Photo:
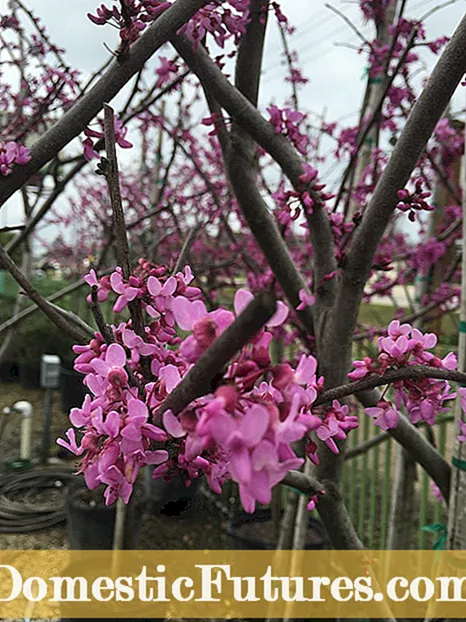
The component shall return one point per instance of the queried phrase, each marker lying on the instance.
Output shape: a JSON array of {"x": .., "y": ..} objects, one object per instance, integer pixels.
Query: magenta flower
[
  {"x": 243, "y": 298},
  {"x": 137, "y": 345},
  {"x": 384, "y": 415},
  {"x": 126, "y": 291},
  {"x": 112, "y": 367},
  {"x": 307, "y": 300},
  {"x": 118, "y": 486},
  {"x": 71, "y": 445},
  {"x": 136, "y": 428},
  {"x": 239, "y": 437},
  {"x": 12, "y": 153}
]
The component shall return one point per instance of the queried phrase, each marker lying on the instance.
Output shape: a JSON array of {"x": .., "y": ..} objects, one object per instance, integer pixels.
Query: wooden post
[
  {"x": 457, "y": 508},
  {"x": 376, "y": 87}
]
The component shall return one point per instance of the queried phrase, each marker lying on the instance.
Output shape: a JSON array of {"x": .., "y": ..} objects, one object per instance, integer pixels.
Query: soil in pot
[
  {"x": 256, "y": 531},
  {"x": 91, "y": 522}
]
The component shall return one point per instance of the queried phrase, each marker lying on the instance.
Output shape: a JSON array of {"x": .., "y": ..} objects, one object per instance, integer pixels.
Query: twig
[
  {"x": 7, "y": 229},
  {"x": 103, "y": 327},
  {"x": 185, "y": 249},
  {"x": 121, "y": 238},
  {"x": 111, "y": 174},
  {"x": 412, "y": 372}
]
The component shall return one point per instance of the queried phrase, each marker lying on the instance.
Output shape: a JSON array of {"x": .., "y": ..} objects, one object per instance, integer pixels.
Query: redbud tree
[{"x": 234, "y": 275}]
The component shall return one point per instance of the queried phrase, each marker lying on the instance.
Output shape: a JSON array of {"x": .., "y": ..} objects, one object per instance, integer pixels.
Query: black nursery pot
[
  {"x": 72, "y": 389},
  {"x": 172, "y": 498},
  {"x": 255, "y": 532},
  {"x": 90, "y": 523}
]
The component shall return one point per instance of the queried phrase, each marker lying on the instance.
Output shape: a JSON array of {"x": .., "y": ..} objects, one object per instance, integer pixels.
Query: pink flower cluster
[
  {"x": 88, "y": 143},
  {"x": 132, "y": 17},
  {"x": 423, "y": 398},
  {"x": 286, "y": 121},
  {"x": 414, "y": 201},
  {"x": 243, "y": 430},
  {"x": 289, "y": 202},
  {"x": 11, "y": 153}
]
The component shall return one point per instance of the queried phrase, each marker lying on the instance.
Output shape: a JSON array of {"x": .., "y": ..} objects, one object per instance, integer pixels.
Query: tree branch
[
  {"x": 419, "y": 127},
  {"x": 417, "y": 446},
  {"x": 58, "y": 316},
  {"x": 198, "y": 381},
  {"x": 411, "y": 372},
  {"x": 279, "y": 147}
]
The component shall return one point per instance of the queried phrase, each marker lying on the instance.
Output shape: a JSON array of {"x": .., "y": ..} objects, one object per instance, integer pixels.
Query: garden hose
[{"x": 20, "y": 512}]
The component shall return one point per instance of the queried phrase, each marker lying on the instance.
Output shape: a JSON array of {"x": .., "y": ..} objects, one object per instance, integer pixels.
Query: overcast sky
[{"x": 335, "y": 71}]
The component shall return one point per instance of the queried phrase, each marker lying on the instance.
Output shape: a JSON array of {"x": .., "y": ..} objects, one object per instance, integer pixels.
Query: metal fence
[{"x": 368, "y": 479}]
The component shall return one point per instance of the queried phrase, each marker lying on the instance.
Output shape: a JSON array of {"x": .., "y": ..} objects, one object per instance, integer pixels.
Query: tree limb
[
  {"x": 198, "y": 381},
  {"x": 429, "y": 108}
]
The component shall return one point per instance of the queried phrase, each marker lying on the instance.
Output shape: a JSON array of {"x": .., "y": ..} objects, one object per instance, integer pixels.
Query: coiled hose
[{"x": 21, "y": 508}]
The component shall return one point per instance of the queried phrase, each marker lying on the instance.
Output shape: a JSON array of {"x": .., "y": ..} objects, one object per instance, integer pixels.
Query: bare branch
[{"x": 51, "y": 311}]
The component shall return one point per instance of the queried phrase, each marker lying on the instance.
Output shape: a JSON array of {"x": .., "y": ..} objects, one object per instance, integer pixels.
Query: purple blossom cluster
[
  {"x": 423, "y": 398},
  {"x": 132, "y": 16},
  {"x": 10, "y": 154},
  {"x": 243, "y": 431},
  {"x": 413, "y": 202}
]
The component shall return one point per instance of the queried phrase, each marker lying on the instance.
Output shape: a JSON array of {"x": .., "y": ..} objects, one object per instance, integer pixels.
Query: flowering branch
[
  {"x": 278, "y": 146},
  {"x": 198, "y": 381},
  {"x": 111, "y": 82},
  {"x": 430, "y": 106},
  {"x": 412, "y": 372}
]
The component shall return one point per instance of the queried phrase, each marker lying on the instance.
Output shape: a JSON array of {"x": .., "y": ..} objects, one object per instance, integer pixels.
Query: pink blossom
[{"x": 384, "y": 415}]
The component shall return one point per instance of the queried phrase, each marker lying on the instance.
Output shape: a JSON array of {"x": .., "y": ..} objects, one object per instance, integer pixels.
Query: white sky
[{"x": 335, "y": 72}]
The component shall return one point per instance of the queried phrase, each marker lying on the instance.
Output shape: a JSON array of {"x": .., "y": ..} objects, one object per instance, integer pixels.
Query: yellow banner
[{"x": 233, "y": 584}]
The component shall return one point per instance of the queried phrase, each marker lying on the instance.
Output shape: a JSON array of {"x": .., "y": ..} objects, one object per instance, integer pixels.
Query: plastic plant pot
[
  {"x": 91, "y": 523},
  {"x": 255, "y": 532},
  {"x": 172, "y": 498}
]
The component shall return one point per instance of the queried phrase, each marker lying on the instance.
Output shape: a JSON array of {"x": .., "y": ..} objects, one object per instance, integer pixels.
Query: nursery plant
[{"x": 217, "y": 245}]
